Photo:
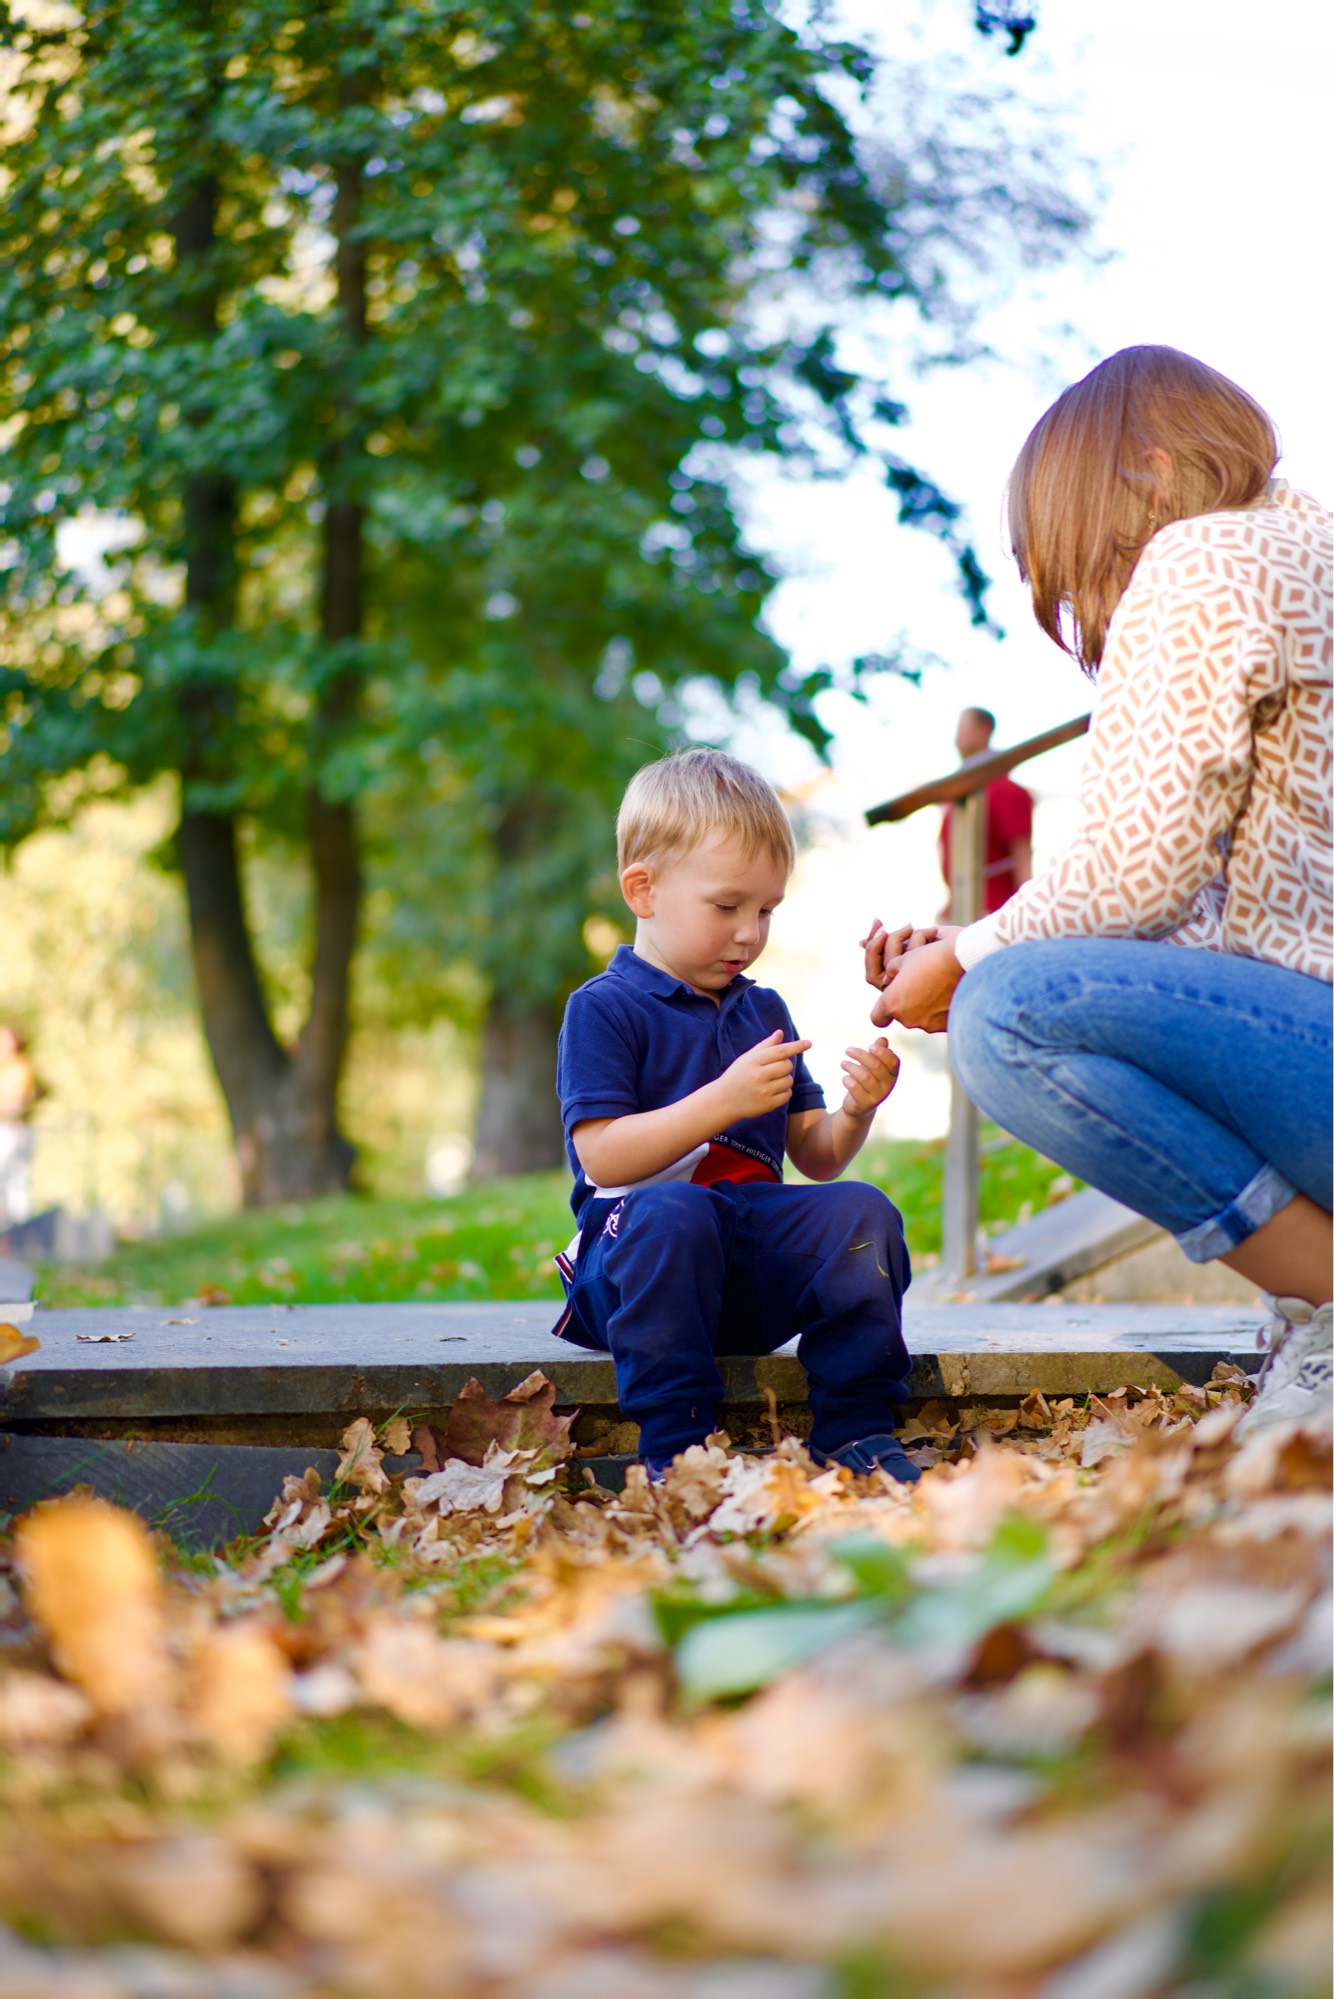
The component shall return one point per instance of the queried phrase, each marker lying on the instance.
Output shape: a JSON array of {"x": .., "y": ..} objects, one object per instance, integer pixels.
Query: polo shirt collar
[{"x": 627, "y": 964}]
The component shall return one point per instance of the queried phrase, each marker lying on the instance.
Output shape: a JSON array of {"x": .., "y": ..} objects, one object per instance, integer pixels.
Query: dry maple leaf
[
  {"x": 523, "y": 1420},
  {"x": 14, "y": 1344}
]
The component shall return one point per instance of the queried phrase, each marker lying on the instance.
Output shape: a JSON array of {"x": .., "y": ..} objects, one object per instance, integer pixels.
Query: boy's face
[{"x": 704, "y": 917}]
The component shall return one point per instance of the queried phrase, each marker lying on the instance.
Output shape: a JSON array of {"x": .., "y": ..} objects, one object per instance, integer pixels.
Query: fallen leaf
[
  {"x": 522, "y": 1420},
  {"x": 1101, "y": 1438},
  {"x": 425, "y": 1681},
  {"x": 397, "y": 1437},
  {"x": 362, "y": 1462},
  {"x": 996, "y": 1262},
  {"x": 195, "y": 1890},
  {"x": 296, "y": 1496},
  {"x": 37, "y": 1712},
  {"x": 92, "y": 1582},
  {"x": 102, "y": 1339},
  {"x": 14, "y": 1344},
  {"x": 240, "y": 1693},
  {"x": 460, "y": 1487},
  {"x": 212, "y": 1294},
  {"x": 934, "y": 1419}
]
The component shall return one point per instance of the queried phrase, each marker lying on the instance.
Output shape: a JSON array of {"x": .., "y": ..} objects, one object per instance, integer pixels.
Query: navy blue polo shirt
[{"x": 636, "y": 1039}]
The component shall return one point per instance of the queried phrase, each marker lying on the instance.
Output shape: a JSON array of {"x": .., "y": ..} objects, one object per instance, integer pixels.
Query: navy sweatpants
[{"x": 669, "y": 1276}]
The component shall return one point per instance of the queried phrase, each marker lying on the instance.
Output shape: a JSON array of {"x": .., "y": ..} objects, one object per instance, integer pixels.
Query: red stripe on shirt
[{"x": 723, "y": 1162}]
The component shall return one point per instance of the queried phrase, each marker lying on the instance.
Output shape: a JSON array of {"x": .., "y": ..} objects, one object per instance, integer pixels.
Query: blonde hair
[
  {"x": 674, "y": 805},
  {"x": 1085, "y": 494}
]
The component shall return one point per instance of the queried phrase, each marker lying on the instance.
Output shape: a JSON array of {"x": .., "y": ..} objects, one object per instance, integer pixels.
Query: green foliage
[
  {"x": 726, "y": 1656},
  {"x": 491, "y": 1242},
  {"x": 742, "y": 1648}
]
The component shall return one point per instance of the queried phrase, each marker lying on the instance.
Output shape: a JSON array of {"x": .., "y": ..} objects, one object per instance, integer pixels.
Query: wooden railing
[{"x": 964, "y": 789}]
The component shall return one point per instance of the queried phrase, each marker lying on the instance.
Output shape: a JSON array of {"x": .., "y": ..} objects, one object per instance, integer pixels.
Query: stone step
[
  {"x": 195, "y": 1416},
  {"x": 1061, "y": 1243},
  {"x": 332, "y": 1361}
]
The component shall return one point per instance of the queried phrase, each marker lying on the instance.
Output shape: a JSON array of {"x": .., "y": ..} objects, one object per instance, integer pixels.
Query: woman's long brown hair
[{"x": 1149, "y": 436}]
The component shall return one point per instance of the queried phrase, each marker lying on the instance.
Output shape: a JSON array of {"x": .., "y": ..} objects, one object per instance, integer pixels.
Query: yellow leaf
[
  {"x": 92, "y": 1583},
  {"x": 14, "y": 1344}
]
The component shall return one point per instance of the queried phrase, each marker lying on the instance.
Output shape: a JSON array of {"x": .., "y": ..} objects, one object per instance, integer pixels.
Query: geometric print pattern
[{"x": 1207, "y": 784}]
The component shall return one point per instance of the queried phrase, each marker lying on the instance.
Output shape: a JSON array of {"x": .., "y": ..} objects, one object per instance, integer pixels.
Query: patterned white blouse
[{"x": 1207, "y": 786}]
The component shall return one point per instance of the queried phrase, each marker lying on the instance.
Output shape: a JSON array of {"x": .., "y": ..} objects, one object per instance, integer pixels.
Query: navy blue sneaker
[{"x": 882, "y": 1452}]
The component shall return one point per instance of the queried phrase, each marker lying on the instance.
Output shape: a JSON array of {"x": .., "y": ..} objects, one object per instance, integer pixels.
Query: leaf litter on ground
[{"x": 1052, "y": 1722}]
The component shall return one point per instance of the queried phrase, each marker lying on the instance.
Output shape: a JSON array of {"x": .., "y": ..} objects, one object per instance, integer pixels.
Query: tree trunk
[
  {"x": 283, "y": 1108},
  {"x": 334, "y": 844},
  {"x": 518, "y": 1125}
]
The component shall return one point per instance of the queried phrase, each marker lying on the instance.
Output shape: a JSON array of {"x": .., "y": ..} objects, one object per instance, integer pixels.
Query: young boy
[{"x": 682, "y": 1084}]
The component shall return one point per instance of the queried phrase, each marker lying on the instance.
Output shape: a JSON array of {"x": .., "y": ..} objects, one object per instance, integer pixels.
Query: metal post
[{"x": 960, "y": 1208}]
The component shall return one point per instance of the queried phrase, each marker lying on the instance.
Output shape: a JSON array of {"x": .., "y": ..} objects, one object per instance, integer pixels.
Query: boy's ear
[{"x": 637, "y": 885}]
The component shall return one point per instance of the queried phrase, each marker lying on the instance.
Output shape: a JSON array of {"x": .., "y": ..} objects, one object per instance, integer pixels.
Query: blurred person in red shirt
[{"x": 1008, "y": 811}]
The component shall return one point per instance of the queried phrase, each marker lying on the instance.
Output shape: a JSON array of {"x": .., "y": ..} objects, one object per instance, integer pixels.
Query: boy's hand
[
  {"x": 869, "y": 1075},
  {"x": 761, "y": 1079},
  {"x": 880, "y": 948}
]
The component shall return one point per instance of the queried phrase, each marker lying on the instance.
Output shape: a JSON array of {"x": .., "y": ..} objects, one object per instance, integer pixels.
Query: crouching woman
[{"x": 1153, "y": 1010}]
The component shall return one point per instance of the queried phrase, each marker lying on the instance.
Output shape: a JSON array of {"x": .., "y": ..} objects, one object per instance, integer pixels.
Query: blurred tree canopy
[{"x": 396, "y": 353}]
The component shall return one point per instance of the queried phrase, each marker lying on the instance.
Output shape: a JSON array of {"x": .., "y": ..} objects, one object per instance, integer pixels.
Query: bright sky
[{"x": 1209, "y": 122}]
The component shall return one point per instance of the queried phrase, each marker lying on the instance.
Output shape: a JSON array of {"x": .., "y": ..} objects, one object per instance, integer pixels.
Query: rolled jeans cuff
[{"x": 1257, "y": 1203}]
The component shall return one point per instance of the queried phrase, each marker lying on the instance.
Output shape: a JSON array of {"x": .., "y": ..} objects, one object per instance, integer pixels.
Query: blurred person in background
[
  {"x": 1007, "y": 815},
  {"x": 19, "y": 1094}
]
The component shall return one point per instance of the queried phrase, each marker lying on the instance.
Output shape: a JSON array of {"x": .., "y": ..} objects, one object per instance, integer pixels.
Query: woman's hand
[{"x": 919, "y": 985}]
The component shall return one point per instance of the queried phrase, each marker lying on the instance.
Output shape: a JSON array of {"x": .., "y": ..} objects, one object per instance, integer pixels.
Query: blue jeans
[
  {"x": 669, "y": 1277},
  {"x": 1194, "y": 1087}
]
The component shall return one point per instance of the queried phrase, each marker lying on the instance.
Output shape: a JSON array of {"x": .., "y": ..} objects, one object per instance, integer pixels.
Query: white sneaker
[{"x": 1297, "y": 1380}]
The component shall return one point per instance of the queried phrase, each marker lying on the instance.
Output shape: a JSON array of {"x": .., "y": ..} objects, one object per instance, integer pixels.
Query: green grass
[{"x": 495, "y": 1241}]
